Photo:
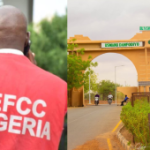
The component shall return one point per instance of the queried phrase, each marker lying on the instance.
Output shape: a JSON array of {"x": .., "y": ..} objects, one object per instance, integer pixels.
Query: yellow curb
[
  {"x": 116, "y": 126},
  {"x": 109, "y": 144}
]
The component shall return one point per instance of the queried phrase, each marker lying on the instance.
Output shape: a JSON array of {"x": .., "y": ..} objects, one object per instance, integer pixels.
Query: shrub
[{"x": 135, "y": 120}]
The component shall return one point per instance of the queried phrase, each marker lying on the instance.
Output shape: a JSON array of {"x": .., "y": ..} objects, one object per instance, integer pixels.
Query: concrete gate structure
[{"x": 137, "y": 49}]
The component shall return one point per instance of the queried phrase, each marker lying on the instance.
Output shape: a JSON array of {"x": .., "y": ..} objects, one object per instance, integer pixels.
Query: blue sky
[{"x": 47, "y": 8}]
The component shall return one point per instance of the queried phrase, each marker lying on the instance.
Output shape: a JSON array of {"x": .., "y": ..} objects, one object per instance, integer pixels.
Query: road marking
[
  {"x": 116, "y": 126},
  {"x": 109, "y": 144}
]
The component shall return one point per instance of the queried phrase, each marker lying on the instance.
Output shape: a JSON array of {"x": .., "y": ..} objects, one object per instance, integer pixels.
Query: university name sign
[
  {"x": 146, "y": 28},
  {"x": 122, "y": 44}
]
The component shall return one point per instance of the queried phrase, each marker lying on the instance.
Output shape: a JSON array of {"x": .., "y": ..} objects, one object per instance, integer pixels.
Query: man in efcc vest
[{"x": 33, "y": 102}]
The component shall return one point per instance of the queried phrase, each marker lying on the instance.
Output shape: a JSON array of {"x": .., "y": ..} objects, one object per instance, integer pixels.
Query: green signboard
[
  {"x": 146, "y": 28},
  {"x": 122, "y": 44}
]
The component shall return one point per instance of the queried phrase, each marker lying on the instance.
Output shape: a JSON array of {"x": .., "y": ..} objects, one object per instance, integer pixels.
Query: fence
[{"x": 139, "y": 95}]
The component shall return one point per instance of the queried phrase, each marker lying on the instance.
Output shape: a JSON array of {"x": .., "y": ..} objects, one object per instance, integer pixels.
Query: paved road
[{"x": 86, "y": 123}]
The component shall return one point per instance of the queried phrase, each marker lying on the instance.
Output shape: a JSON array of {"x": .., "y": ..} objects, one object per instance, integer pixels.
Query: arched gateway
[{"x": 137, "y": 49}]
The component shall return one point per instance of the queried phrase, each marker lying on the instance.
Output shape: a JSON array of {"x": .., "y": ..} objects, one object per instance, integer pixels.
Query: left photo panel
[{"x": 33, "y": 75}]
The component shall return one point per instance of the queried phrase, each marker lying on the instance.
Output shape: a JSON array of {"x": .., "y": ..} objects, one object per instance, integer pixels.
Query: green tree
[
  {"x": 93, "y": 80},
  {"x": 76, "y": 66},
  {"x": 105, "y": 87},
  {"x": 48, "y": 42}
]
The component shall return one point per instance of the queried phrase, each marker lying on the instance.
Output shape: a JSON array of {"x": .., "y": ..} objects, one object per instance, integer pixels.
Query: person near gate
[
  {"x": 110, "y": 96},
  {"x": 97, "y": 99},
  {"x": 125, "y": 99},
  {"x": 33, "y": 102}
]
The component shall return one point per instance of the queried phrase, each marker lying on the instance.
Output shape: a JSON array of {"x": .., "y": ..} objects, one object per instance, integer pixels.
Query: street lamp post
[
  {"x": 115, "y": 85},
  {"x": 89, "y": 88}
]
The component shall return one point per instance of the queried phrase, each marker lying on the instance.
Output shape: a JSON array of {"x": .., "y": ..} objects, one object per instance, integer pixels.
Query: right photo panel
[{"x": 108, "y": 74}]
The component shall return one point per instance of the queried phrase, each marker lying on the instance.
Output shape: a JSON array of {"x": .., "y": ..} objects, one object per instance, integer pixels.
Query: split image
[{"x": 74, "y": 75}]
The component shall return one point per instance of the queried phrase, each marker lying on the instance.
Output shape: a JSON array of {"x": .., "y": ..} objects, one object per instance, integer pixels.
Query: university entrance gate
[{"x": 137, "y": 49}]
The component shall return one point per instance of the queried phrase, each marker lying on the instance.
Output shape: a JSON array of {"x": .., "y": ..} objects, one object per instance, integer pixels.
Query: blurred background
[{"x": 47, "y": 23}]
